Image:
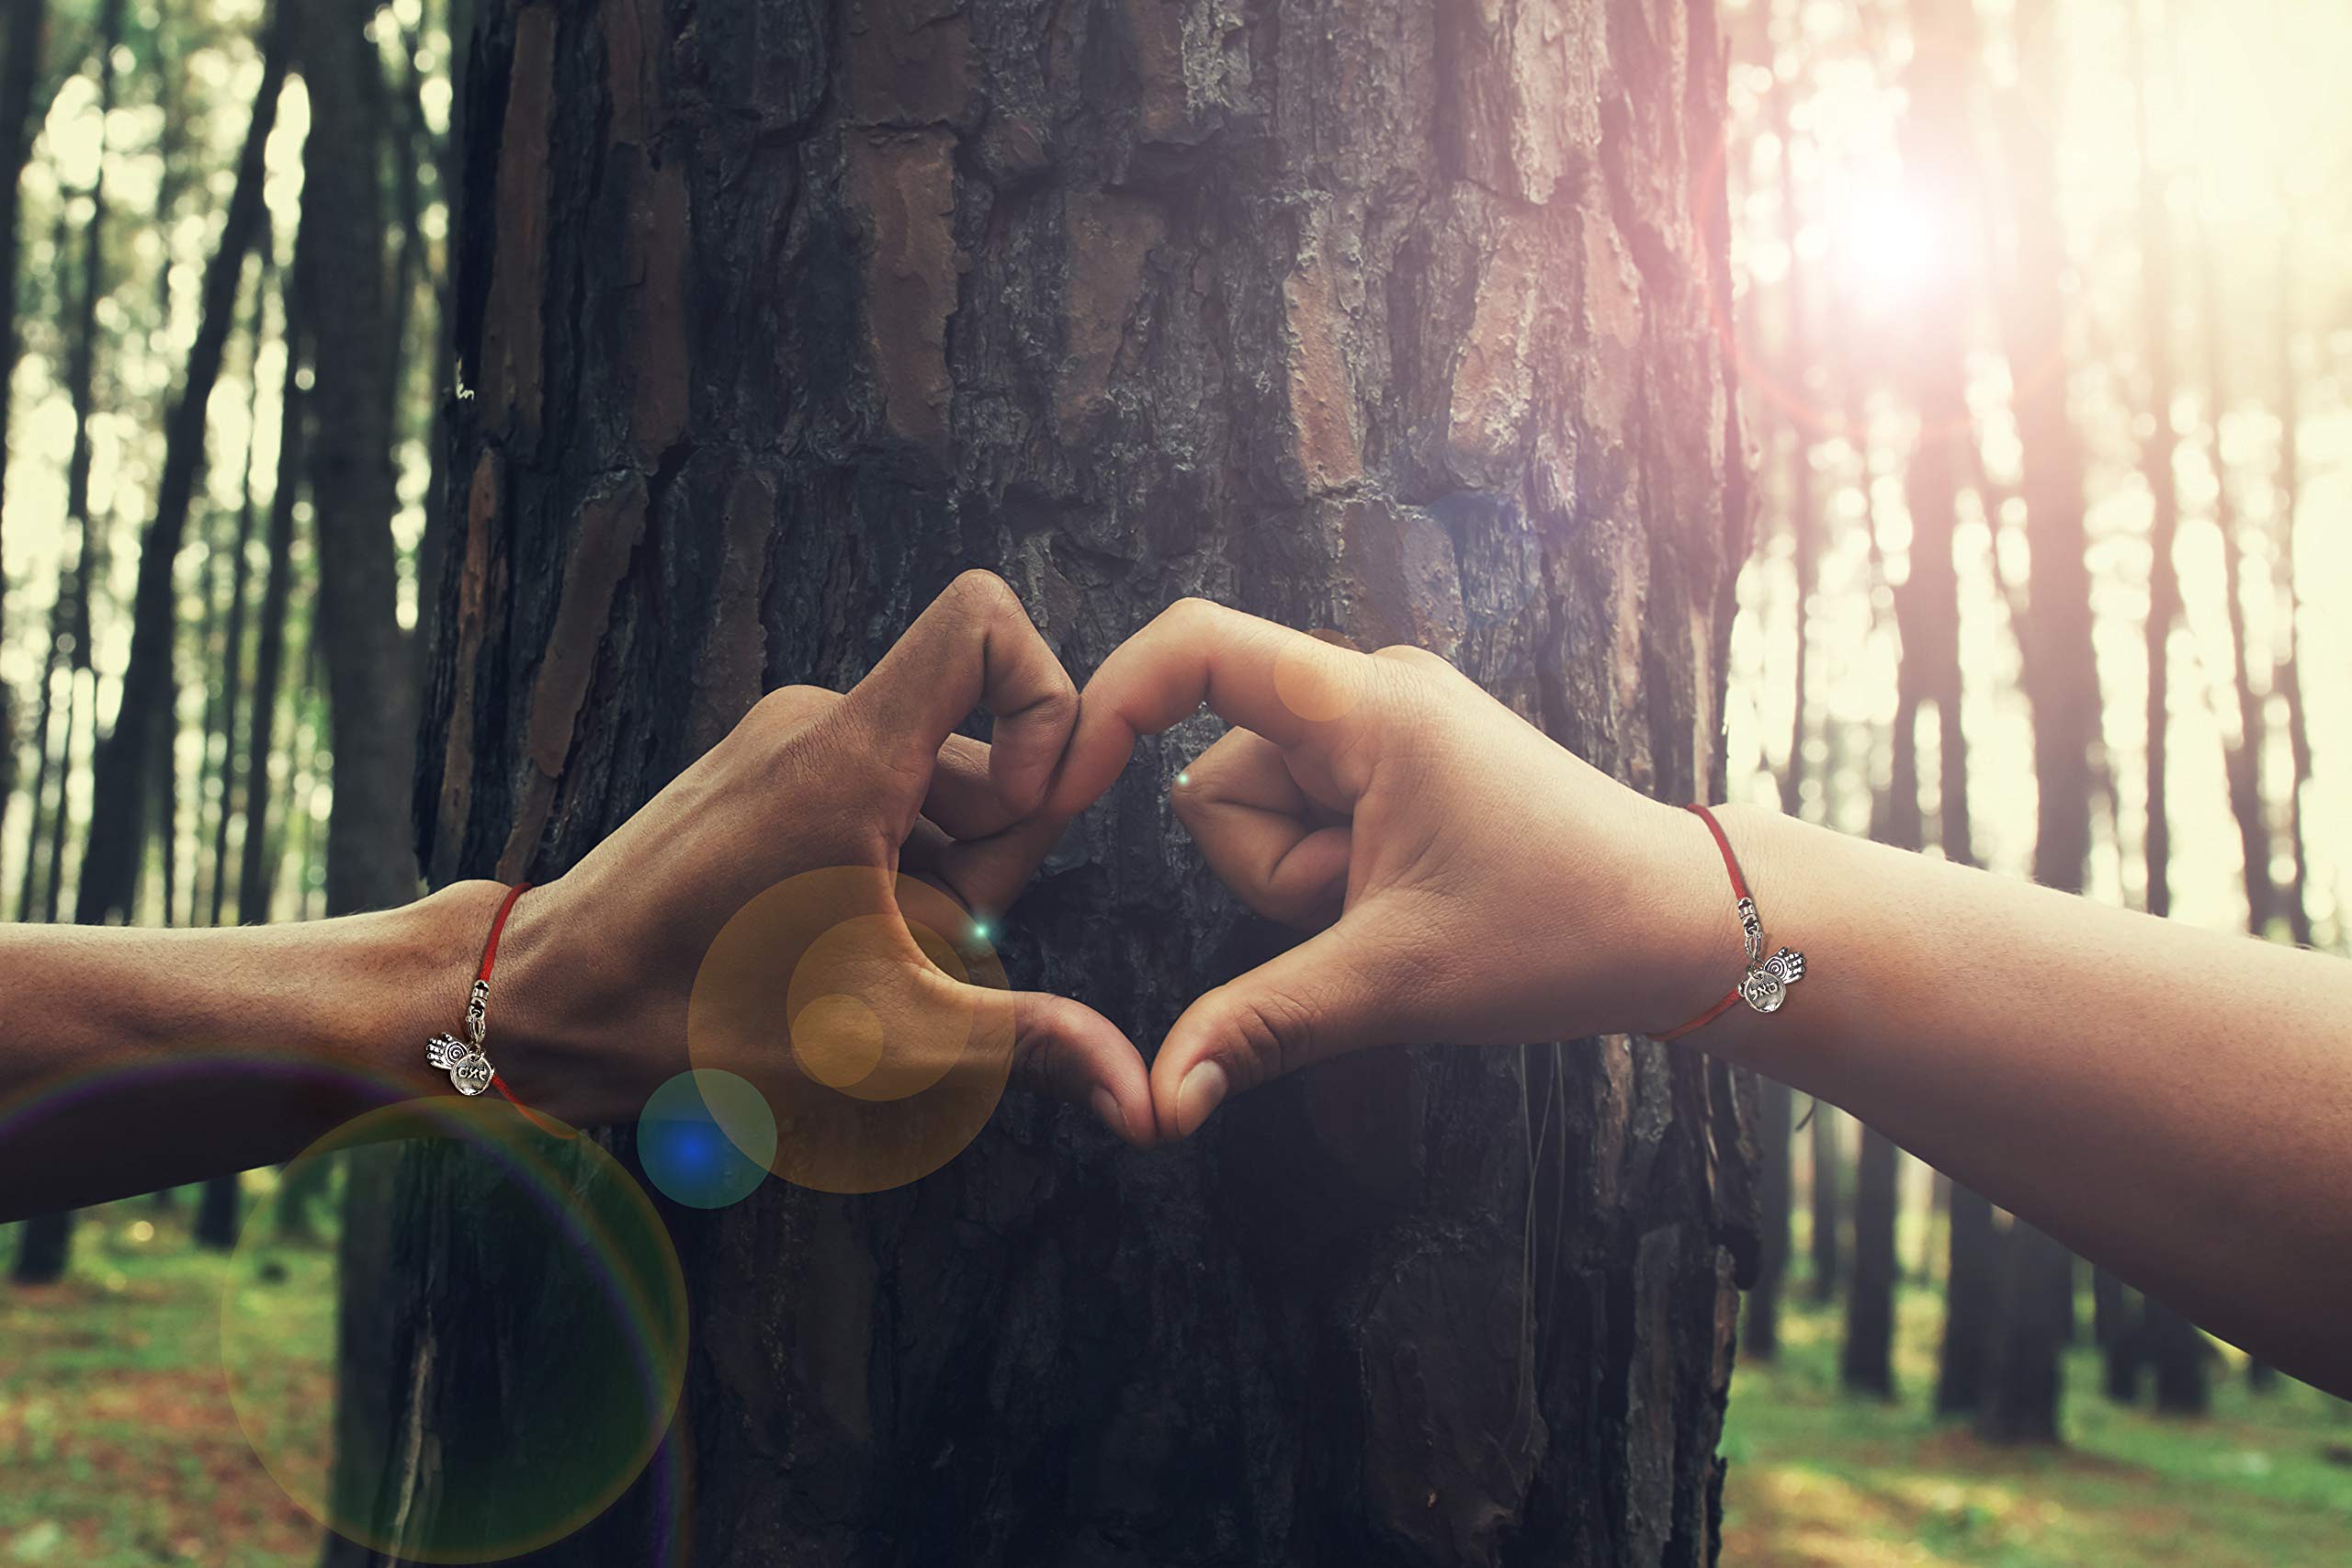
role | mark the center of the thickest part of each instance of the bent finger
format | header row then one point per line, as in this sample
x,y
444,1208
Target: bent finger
x,y
988,873
963,798
1065,1049
974,646
1327,996
1253,823
1294,689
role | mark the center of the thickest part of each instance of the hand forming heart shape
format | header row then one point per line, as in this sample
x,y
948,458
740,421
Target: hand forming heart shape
x,y
778,909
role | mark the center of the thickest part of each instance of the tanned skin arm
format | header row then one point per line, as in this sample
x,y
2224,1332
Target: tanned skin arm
x,y
131,1060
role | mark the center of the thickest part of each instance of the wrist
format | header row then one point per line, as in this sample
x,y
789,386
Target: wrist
x,y
568,1025
1696,950
436,952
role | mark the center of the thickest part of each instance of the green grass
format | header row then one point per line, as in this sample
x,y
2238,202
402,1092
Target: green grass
x,y
1820,1478
118,1445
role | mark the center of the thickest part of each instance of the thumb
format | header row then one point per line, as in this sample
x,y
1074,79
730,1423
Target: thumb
x,y
1065,1049
1330,995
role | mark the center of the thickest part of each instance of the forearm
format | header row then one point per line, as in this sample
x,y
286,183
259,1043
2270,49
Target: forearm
x,y
2175,1104
134,1059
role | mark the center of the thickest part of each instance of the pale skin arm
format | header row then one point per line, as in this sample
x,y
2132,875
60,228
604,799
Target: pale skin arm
x,y
131,1060
2173,1103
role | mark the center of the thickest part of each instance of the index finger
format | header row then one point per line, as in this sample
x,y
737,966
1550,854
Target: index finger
x,y
974,646
1294,689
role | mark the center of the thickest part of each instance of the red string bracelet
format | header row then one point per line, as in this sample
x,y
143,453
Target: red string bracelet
x,y
466,1062
1765,984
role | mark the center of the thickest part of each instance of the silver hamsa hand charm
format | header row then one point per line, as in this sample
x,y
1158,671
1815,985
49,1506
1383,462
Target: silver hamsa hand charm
x,y
469,1069
1766,985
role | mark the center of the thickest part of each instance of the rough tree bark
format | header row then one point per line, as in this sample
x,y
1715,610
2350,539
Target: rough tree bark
x,y
1377,316
2013,1279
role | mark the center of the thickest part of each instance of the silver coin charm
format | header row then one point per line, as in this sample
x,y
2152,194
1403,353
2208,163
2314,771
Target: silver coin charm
x,y
1765,985
470,1071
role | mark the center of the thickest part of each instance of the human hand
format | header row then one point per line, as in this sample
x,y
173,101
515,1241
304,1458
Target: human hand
x,y
754,917
1468,879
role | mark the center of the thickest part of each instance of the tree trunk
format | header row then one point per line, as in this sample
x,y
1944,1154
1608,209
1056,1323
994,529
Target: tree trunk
x,y
2285,675
1866,1355
1828,1202
46,741
161,746
2025,1376
1932,368
2242,758
1867,1365
76,679
233,658
2290,680
37,796
2116,1325
1775,1184
1971,1293
19,77
423,146
1776,1188
217,1213
2175,1349
124,764
2032,1299
371,697
44,1245
371,672
1349,314
257,863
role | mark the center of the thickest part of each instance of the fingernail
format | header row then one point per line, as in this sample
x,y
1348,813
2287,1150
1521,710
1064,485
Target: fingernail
x,y
1106,1106
1202,1089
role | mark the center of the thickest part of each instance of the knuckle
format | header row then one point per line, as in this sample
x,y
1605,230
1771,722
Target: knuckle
x,y
1415,655
1191,613
983,595
1058,701
787,709
1273,1032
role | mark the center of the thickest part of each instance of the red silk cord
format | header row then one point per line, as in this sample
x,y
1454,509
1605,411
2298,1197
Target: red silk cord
x,y
1740,892
489,958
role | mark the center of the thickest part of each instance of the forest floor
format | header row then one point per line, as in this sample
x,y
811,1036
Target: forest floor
x,y
118,1445
1822,1480
117,1442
